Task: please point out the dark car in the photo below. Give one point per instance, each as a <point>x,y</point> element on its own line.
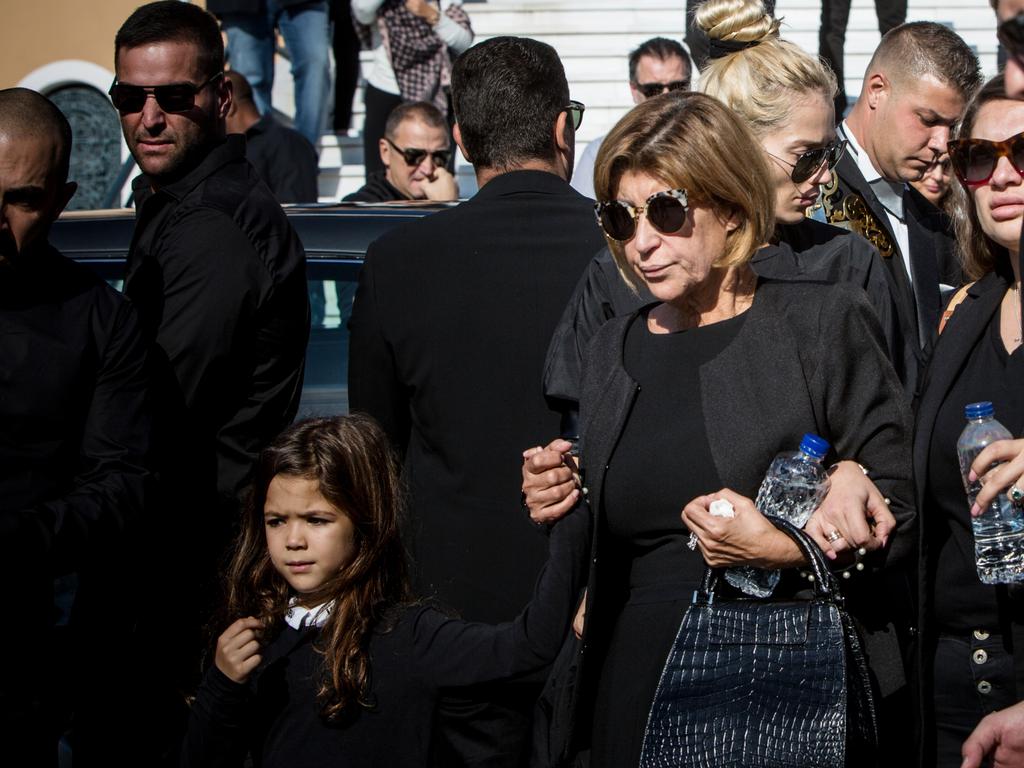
<point>335,238</point>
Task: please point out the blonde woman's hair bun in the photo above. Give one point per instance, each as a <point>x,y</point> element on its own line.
<point>741,21</point>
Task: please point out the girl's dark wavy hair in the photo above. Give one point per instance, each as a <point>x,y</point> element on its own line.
<point>350,458</point>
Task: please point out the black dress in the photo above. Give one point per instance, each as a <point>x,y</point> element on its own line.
<point>662,462</point>
<point>971,658</point>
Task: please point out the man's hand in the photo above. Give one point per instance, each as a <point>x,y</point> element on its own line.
<point>238,649</point>
<point>854,509</point>
<point>550,481</point>
<point>999,736</point>
<point>442,187</point>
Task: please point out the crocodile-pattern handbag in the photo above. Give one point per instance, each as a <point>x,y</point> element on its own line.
<point>762,684</point>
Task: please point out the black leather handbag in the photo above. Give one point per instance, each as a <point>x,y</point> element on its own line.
<point>764,684</point>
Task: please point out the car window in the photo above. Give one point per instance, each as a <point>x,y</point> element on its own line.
<point>332,288</point>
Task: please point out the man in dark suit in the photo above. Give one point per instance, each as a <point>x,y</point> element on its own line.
<point>74,465</point>
<point>915,89</point>
<point>450,326</point>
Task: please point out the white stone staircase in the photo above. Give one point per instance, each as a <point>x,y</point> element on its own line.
<point>594,38</point>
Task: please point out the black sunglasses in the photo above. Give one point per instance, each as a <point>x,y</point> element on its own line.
<point>650,90</point>
<point>975,160</point>
<point>810,162</point>
<point>575,110</point>
<point>414,156</point>
<point>665,210</point>
<point>175,97</point>
<point>1011,35</point>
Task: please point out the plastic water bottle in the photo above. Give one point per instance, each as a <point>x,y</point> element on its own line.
<point>999,530</point>
<point>792,489</point>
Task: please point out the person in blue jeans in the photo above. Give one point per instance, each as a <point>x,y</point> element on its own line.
<point>250,26</point>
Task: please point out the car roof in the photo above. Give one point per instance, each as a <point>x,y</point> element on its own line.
<point>327,230</point>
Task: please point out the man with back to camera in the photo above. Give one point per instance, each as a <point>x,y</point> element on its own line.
<point>218,277</point>
<point>282,156</point>
<point>656,66</point>
<point>415,151</point>
<point>447,348</point>
<point>915,89</point>
<point>74,451</point>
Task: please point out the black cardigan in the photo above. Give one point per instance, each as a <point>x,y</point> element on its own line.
<point>809,357</point>
<point>420,652</point>
<point>963,332</point>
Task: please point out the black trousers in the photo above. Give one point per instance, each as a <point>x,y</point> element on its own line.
<point>972,676</point>
<point>835,14</point>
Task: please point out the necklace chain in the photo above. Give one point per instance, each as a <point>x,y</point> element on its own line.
<point>1017,331</point>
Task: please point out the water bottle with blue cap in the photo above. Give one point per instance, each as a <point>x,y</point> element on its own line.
<point>999,530</point>
<point>793,487</point>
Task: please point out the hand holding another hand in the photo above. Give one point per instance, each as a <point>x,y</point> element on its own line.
<point>550,481</point>
<point>855,510</point>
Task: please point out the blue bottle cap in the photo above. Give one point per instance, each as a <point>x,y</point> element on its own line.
<point>814,446</point>
<point>980,410</point>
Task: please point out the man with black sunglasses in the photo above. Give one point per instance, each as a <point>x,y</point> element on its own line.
<point>915,89</point>
<point>451,321</point>
<point>415,151</point>
<point>656,66</point>
<point>218,277</point>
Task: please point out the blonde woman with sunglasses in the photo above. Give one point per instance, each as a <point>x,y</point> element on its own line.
<point>972,642</point>
<point>687,400</point>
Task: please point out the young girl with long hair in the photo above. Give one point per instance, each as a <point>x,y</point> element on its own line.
<point>327,659</point>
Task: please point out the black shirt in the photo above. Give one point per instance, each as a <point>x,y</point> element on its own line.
<point>377,189</point>
<point>284,159</point>
<point>219,279</point>
<point>962,603</point>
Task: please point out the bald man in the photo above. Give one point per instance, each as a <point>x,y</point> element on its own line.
<point>73,442</point>
<point>282,156</point>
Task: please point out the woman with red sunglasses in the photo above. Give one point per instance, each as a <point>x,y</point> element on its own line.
<point>972,640</point>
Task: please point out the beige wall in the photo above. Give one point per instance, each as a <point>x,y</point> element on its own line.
<point>37,32</point>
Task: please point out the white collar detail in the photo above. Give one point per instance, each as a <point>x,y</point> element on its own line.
<point>298,616</point>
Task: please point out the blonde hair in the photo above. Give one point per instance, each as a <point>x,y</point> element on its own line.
<point>691,141</point>
<point>758,82</point>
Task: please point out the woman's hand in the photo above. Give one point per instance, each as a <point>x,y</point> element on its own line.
<point>425,9</point>
<point>1000,479</point>
<point>746,539</point>
<point>855,510</point>
<point>238,649</point>
<point>550,481</point>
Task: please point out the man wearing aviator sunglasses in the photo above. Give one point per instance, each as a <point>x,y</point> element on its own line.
<point>657,66</point>
<point>415,152</point>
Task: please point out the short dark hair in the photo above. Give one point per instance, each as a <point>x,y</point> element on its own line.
<point>174,21</point>
<point>423,111</point>
<point>24,112</point>
<point>659,48</point>
<point>508,93</point>
<point>919,48</point>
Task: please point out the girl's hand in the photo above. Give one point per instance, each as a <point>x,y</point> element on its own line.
<point>998,480</point>
<point>550,481</point>
<point>854,509</point>
<point>238,649</point>
<point>746,539</point>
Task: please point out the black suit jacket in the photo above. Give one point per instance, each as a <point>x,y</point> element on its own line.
<point>964,331</point>
<point>932,258</point>
<point>451,321</point>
